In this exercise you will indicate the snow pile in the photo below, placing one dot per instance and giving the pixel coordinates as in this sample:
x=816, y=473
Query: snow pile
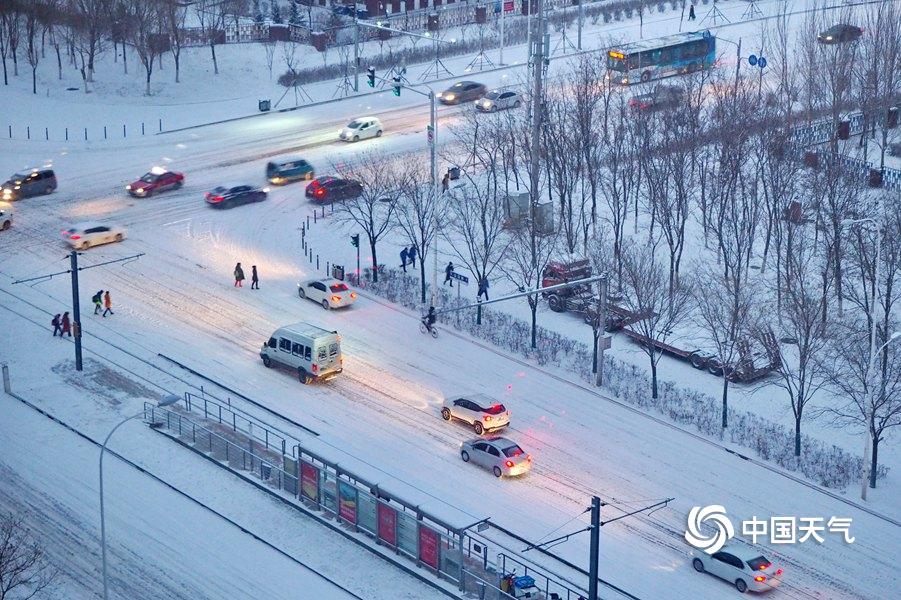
x=823, y=463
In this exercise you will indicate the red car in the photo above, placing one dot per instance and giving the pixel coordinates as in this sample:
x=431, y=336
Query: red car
x=157, y=180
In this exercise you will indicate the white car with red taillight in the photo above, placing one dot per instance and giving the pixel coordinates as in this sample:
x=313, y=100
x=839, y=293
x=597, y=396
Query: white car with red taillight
x=328, y=292
x=82, y=236
x=742, y=566
x=482, y=412
x=499, y=455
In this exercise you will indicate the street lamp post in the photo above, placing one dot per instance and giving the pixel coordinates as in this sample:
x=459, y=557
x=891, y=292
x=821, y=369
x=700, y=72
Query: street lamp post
x=167, y=401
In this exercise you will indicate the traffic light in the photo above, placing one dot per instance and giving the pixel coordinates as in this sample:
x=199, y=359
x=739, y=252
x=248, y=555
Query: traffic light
x=370, y=72
x=355, y=240
x=397, y=86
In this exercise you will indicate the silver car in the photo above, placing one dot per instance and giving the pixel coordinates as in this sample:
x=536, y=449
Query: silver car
x=498, y=100
x=497, y=454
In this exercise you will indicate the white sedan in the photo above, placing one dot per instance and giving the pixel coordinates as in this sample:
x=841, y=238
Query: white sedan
x=330, y=293
x=498, y=100
x=481, y=412
x=742, y=566
x=82, y=236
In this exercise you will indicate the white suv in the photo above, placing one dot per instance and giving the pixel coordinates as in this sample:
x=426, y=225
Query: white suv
x=482, y=412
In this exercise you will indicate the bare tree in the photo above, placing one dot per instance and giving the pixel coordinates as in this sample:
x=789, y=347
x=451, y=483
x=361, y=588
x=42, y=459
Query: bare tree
x=211, y=17
x=32, y=44
x=11, y=16
x=24, y=571
x=373, y=210
x=174, y=13
x=800, y=321
x=145, y=19
x=417, y=212
x=645, y=284
x=92, y=21
x=270, y=46
x=526, y=258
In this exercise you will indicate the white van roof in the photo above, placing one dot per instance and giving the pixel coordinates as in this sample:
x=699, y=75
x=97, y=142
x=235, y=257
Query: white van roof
x=307, y=330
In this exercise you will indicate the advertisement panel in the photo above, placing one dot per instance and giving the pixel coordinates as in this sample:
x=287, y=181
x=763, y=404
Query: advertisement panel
x=328, y=485
x=387, y=524
x=309, y=482
x=366, y=518
x=347, y=502
x=428, y=546
x=407, y=538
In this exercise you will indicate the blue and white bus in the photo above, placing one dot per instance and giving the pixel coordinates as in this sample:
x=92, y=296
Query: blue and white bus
x=661, y=57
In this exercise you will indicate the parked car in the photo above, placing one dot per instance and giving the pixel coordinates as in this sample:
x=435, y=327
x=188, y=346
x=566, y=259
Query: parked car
x=480, y=411
x=36, y=182
x=288, y=170
x=156, y=180
x=360, y=129
x=6, y=221
x=497, y=454
x=840, y=34
x=498, y=100
x=662, y=96
x=742, y=566
x=462, y=91
x=333, y=189
x=82, y=236
x=346, y=10
x=328, y=292
x=312, y=352
x=225, y=197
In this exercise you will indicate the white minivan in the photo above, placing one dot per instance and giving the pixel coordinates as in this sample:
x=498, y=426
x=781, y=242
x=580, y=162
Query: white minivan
x=311, y=352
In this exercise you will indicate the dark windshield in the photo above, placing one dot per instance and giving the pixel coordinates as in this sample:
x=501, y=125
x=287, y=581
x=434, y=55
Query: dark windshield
x=758, y=564
x=496, y=409
x=493, y=95
x=149, y=178
x=513, y=451
x=354, y=124
x=616, y=64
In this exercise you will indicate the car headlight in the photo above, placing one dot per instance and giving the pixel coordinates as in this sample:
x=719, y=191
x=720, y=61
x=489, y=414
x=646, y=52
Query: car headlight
x=140, y=190
x=828, y=38
x=449, y=97
x=128, y=187
x=266, y=190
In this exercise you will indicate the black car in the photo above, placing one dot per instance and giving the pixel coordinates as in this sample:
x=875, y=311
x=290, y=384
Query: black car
x=32, y=183
x=333, y=189
x=223, y=197
x=462, y=91
x=662, y=96
x=839, y=34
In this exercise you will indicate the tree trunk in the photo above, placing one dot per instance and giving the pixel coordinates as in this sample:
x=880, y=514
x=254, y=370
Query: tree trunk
x=59, y=62
x=422, y=285
x=375, y=261
x=213, y=52
x=34, y=80
x=149, y=71
x=533, y=306
x=725, y=423
x=177, y=66
x=798, y=435
x=874, y=462
x=653, y=376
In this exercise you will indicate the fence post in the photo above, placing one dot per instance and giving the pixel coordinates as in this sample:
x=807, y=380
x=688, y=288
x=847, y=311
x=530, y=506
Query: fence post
x=308, y=216
x=314, y=215
x=161, y=125
x=327, y=267
x=67, y=134
x=6, y=387
x=317, y=262
x=104, y=132
x=28, y=131
x=10, y=132
x=85, y=134
x=124, y=134
x=47, y=134
x=142, y=127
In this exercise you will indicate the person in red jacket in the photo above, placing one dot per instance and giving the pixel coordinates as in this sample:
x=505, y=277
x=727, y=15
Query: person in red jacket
x=67, y=325
x=107, y=304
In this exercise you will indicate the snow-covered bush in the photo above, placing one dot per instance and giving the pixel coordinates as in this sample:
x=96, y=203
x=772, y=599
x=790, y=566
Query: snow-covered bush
x=823, y=463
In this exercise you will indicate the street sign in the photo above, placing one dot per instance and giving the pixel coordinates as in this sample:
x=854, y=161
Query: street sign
x=605, y=342
x=761, y=63
x=508, y=6
x=461, y=278
x=752, y=60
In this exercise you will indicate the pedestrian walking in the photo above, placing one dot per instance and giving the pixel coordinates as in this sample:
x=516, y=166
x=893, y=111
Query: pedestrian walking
x=66, y=325
x=97, y=299
x=448, y=271
x=411, y=255
x=254, y=278
x=403, y=258
x=107, y=304
x=691, y=12
x=445, y=182
x=56, y=325
x=239, y=276
x=483, y=289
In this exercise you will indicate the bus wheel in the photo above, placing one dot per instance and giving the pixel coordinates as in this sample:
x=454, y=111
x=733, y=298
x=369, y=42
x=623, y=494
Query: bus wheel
x=646, y=77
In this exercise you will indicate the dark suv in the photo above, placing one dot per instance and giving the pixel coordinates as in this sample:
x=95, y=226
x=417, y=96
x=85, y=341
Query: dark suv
x=34, y=183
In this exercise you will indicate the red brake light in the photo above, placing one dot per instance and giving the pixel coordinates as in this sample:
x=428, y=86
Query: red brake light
x=778, y=571
x=320, y=191
x=760, y=578
x=509, y=464
x=315, y=368
x=353, y=294
x=74, y=236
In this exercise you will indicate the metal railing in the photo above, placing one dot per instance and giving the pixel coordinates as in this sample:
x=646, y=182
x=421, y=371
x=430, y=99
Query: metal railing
x=237, y=420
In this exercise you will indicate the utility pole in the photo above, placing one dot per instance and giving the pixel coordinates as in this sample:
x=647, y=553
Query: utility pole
x=503, y=15
x=594, y=548
x=433, y=159
x=579, y=35
x=76, y=308
x=537, y=53
x=356, y=53
x=602, y=340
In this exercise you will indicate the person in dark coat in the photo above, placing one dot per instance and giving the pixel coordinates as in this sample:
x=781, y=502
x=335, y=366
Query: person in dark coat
x=254, y=278
x=483, y=289
x=107, y=304
x=66, y=325
x=97, y=299
x=411, y=254
x=448, y=271
x=445, y=182
x=691, y=12
x=239, y=276
x=56, y=325
x=403, y=258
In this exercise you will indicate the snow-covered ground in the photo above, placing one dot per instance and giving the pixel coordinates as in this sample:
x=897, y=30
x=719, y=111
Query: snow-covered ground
x=382, y=414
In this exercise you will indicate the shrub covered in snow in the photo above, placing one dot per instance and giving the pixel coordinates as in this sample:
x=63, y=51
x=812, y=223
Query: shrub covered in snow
x=823, y=463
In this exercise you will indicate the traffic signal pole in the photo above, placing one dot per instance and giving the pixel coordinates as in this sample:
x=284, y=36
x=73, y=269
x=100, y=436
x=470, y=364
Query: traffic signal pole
x=76, y=309
x=356, y=53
